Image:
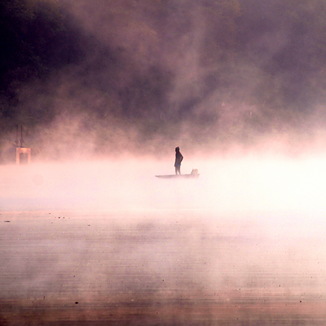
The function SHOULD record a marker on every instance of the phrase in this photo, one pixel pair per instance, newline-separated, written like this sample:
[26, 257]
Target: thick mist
[102, 240]
[104, 92]
[140, 77]
[233, 185]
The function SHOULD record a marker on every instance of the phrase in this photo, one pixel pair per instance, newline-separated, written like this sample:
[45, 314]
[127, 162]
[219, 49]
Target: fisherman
[178, 160]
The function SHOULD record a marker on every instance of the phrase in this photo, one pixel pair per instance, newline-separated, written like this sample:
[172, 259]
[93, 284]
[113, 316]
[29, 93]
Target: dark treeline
[146, 71]
[36, 39]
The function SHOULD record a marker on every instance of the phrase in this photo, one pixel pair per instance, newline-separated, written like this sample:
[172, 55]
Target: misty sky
[147, 75]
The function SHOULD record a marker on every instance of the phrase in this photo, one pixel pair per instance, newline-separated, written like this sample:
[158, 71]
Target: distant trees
[37, 37]
[162, 66]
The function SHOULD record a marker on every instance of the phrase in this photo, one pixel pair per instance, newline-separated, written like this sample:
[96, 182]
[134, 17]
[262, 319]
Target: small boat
[194, 174]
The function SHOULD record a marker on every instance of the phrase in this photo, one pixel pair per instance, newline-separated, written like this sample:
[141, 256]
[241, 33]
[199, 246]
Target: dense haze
[272, 189]
[143, 76]
[104, 90]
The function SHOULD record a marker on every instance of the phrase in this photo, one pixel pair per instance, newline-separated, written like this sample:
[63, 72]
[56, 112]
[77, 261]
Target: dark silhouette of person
[178, 160]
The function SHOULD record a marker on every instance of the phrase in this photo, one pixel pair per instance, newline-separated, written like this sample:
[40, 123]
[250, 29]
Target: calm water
[84, 246]
[158, 267]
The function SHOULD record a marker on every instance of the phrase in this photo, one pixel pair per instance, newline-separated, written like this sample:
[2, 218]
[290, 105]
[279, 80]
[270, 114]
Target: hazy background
[104, 91]
[107, 77]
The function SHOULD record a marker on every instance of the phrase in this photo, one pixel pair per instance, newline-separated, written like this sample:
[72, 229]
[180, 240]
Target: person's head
[177, 149]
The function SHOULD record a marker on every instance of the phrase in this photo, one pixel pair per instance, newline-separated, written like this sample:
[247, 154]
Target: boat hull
[179, 176]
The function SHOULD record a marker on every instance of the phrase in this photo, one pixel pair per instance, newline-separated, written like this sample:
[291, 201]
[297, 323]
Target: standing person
[178, 160]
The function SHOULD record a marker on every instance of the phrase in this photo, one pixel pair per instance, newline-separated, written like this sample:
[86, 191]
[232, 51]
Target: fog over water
[243, 184]
[104, 92]
[134, 75]
[108, 235]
